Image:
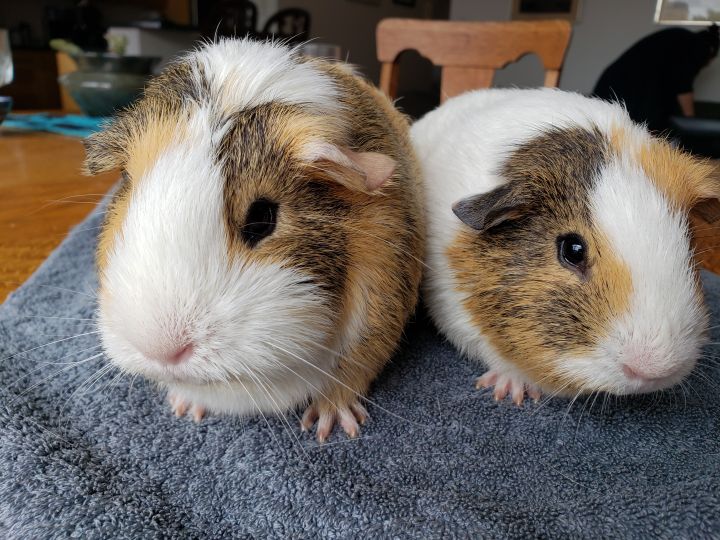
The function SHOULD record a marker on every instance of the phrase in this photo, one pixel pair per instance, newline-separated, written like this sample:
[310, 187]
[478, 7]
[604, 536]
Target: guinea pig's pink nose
[631, 373]
[176, 355]
[643, 363]
[644, 372]
[181, 354]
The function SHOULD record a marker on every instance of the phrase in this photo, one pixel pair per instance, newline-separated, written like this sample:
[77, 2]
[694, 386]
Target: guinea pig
[264, 249]
[558, 243]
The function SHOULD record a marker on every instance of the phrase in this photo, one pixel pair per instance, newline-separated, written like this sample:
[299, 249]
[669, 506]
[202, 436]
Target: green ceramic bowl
[102, 94]
[112, 63]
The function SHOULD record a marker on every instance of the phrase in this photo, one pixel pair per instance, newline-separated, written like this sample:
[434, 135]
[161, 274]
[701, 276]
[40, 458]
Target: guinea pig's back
[390, 241]
[378, 127]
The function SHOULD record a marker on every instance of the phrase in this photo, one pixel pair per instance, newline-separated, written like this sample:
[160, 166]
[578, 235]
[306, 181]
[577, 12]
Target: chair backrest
[470, 52]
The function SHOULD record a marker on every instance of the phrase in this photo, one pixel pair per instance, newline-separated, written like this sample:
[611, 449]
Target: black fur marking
[309, 235]
[555, 172]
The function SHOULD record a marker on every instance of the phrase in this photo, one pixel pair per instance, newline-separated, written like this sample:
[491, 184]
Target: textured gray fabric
[111, 461]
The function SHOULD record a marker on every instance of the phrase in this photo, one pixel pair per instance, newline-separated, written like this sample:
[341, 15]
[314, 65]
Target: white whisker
[48, 344]
[360, 396]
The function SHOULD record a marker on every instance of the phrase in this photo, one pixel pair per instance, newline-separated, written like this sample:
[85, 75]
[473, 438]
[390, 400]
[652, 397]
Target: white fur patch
[258, 330]
[242, 73]
[662, 332]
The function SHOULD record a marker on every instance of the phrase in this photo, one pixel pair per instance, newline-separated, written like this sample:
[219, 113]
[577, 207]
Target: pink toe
[180, 408]
[198, 413]
[325, 425]
[501, 390]
[518, 393]
[360, 412]
[348, 423]
[309, 417]
[486, 380]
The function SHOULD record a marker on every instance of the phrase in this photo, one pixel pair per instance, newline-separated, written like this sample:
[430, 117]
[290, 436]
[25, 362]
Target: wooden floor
[42, 195]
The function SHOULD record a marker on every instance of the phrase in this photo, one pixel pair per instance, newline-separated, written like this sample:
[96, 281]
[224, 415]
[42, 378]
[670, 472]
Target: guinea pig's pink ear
[487, 210]
[366, 172]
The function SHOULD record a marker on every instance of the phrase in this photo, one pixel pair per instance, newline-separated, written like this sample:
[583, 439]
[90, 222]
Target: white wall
[603, 31]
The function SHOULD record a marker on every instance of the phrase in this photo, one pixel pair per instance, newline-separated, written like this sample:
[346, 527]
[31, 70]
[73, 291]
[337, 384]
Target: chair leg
[389, 75]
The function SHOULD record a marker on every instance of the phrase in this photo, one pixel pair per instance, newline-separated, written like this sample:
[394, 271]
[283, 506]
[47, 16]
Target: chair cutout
[469, 53]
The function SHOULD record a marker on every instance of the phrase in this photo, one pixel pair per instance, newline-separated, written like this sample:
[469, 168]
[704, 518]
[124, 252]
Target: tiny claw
[197, 413]
[324, 427]
[360, 412]
[349, 423]
[486, 380]
[309, 417]
[501, 390]
[180, 408]
[518, 393]
[349, 416]
[508, 385]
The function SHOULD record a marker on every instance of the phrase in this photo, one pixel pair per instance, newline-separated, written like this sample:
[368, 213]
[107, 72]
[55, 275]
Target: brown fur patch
[683, 178]
[145, 148]
[153, 119]
[532, 309]
[385, 268]
[112, 223]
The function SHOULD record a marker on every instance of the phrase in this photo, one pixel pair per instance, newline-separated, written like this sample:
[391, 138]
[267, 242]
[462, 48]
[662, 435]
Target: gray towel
[100, 457]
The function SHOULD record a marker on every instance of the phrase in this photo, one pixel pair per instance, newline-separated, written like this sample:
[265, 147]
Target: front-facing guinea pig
[558, 244]
[264, 249]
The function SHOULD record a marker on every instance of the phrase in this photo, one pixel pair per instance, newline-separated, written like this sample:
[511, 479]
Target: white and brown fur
[312, 313]
[539, 164]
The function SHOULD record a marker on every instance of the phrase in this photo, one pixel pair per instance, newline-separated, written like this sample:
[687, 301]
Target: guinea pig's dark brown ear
[105, 150]
[366, 172]
[487, 210]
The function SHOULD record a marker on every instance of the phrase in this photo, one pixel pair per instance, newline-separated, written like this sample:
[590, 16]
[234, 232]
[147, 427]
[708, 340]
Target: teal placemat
[73, 125]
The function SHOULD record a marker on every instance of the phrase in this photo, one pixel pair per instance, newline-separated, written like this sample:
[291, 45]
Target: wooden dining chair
[470, 52]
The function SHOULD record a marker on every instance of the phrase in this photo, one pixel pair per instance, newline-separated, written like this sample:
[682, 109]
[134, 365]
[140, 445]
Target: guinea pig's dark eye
[572, 252]
[260, 221]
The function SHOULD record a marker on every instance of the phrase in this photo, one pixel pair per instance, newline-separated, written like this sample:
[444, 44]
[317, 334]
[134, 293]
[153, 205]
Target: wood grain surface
[42, 196]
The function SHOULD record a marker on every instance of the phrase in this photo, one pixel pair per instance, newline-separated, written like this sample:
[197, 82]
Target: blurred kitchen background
[602, 30]
[66, 65]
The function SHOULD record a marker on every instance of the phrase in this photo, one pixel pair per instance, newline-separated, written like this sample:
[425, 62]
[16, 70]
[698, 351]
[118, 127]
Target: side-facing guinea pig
[558, 243]
[264, 249]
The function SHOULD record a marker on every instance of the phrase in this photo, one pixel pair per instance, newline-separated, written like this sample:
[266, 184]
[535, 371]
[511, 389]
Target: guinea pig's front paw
[350, 415]
[507, 384]
[180, 406]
